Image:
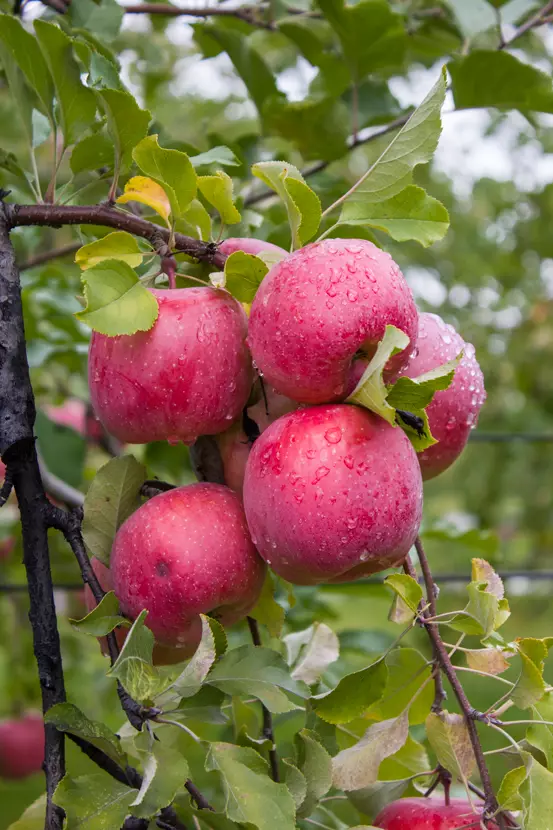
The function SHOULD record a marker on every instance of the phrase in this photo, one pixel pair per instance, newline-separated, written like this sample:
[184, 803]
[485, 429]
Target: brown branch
[469, 713]
[47, 256]
[249, 14]
[267, 730]
[58, 215]
[538, 19]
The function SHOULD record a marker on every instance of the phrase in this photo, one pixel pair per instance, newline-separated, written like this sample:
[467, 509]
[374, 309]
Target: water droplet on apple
[333, 435]
[349, 462]
[320, 473]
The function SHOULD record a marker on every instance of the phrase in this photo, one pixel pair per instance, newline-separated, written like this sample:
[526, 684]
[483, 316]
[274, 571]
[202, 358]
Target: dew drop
[333, 435]
[320, 473]
[349, 462]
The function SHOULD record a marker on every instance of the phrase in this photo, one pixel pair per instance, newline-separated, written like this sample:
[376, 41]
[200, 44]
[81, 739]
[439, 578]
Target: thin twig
[267, 731]
[532, 22]
[59, 489]
[249, 14]
[46, 256]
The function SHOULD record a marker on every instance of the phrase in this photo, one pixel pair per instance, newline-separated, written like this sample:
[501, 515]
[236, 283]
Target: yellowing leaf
[150, 193]
[117, 245]
[449, 738]
[357, 767]
[489, 660]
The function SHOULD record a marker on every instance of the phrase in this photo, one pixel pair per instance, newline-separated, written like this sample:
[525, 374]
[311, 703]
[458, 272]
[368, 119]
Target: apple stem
[444, 661]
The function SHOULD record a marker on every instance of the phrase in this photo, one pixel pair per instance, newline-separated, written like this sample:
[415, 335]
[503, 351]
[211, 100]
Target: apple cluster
[318, 489]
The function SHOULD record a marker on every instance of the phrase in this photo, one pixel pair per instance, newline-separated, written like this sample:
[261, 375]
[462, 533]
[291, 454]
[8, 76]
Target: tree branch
[17, 447]
[267, 730]
[46, 256]
[58, 215]
[491, 805]
[533, 22]
[249, 14]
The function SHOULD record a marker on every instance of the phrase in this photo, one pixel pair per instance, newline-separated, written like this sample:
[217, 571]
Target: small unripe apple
[453, 411]
[183, 553]
[430, 814]
[189, 375]
[162, 655]
[234, 445]
[21, 746]
[248, 245]
[324, 309]
[332, 493]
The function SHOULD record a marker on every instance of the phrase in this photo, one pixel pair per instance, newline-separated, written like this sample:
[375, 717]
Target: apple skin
[428, 814]
[162, 655]
[453, 411]
[234, 444]
[318, 308]
[21, 746]
[248, 245]
[332, 493]
[189, 375]
[183, 553]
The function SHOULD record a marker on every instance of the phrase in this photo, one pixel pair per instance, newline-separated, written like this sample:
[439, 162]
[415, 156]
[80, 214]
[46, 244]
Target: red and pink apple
[248, 245]
[189, 375]
[332, 493]
[21, 746]
[453, 411]
[75, 414]
[183, 553]
[323, 310]
[430, 814]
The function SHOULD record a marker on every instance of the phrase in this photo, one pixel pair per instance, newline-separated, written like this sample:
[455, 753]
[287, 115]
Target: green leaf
[217, 155]
[191, 679]
[318, 127]
[371, 34]
[76, 103]
[195, 222]
[102, 619]
[164, 773]
[62, 449]
[103, 19]
[411, 214]
[127, 123]
[408, 670]
[353, 695]
[487, 608]
[267, 611]
[449, 738]
[217, 190]
[169, 168]
[541, 735]
[117, 302]
[294, 780]
[251, 797]
[92, 153]
[530, 686]
[357, 766]
[414, 144]
[315, 764]
[508, 796]
[311, 651]
[68, 718]
[111, 498]
[9, 163]
[371, 391]
[204, 706]
[118, 245]
[536, 793]
[499, 80]
[472, 16]
[302, 204]
[408, 591]
[414, 394]
[41, 127]
[33, 817]
[22, 94]
[257, 672]
[134, 669]
[243, 275]
[94, 802]
[247, 62]
[26, 53]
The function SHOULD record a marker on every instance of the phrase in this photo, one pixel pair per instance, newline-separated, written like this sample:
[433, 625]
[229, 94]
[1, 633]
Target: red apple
[234, 445]
[321, 310]
[332, 493]
[430, 814]
[7, 545]
[186, 552]
[248, 245]
[75, 414]
[21, 746]
[454, 411]
[162, 655]
[189, 375]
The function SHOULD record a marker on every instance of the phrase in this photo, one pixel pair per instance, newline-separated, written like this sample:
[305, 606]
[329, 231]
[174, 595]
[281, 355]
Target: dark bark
[17, 446]
[206, 460]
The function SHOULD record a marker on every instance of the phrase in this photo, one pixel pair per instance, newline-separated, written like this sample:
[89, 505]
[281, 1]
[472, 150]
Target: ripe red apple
[185, 552]
[21, 746]
[454, 411]
[248, 245]
[321, 310]
[430, 814]
[234, 445]
[332, 493]
[189, 375]
[162, 655]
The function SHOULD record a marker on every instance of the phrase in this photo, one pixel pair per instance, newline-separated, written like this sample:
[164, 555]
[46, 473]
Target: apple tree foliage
[296, 130]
